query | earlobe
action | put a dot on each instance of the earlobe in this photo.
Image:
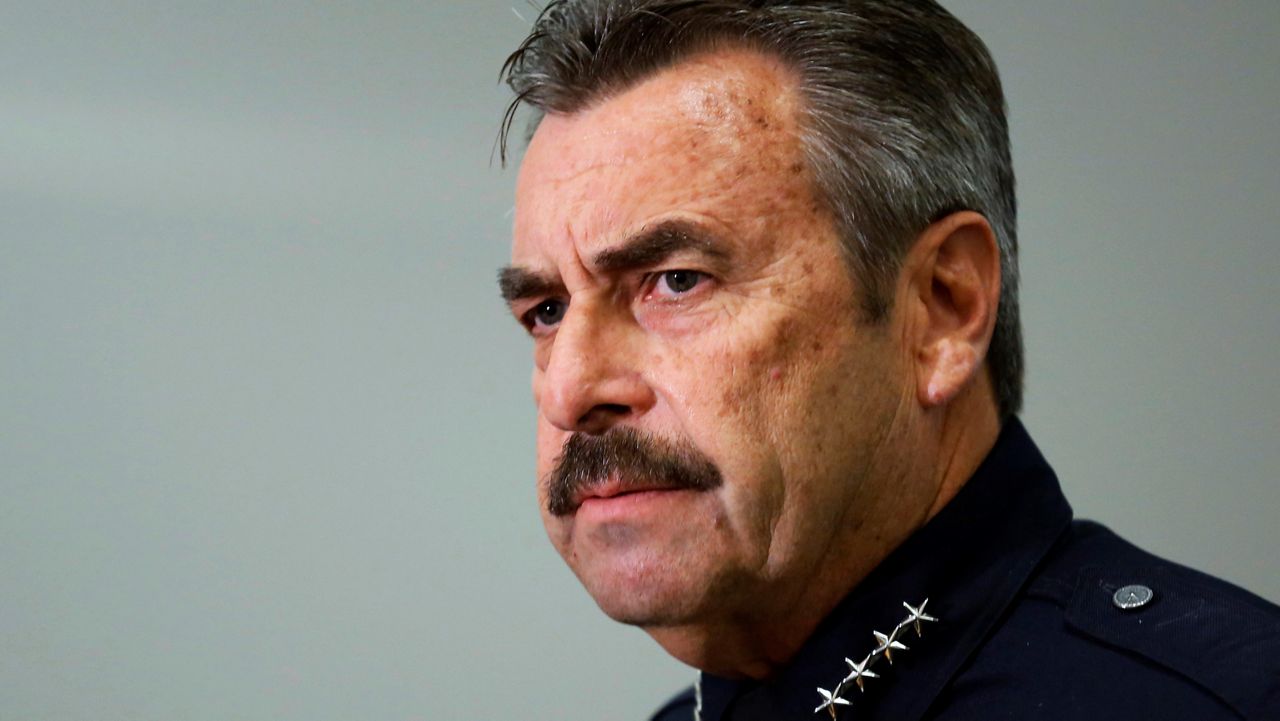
(953, 271)
(953, 366)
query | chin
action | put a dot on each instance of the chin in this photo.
(649, 606)
(649, 560)
(650, 590)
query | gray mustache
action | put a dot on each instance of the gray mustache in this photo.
(638, 460)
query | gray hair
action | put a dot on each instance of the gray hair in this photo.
(903, 120)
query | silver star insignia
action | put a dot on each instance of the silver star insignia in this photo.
(859, 671)
(830, 700)
(888, 644)
(918, 614)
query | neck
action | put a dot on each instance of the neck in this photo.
(732, 650)
(966, 430)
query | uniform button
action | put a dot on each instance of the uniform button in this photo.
(1131, 597)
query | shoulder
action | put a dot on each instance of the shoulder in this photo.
(1107, 629)
(679, 708)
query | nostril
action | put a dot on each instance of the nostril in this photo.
(602, 416)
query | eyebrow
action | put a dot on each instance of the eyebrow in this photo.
(647, 248)
(656, 243)
(518, 283)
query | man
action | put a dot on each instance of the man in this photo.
(766, 252)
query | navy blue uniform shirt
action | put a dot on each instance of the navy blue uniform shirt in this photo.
(1030, 624)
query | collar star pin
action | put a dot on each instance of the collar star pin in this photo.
(886, 644)
(859, 671)
(830, 700)
(917, 615)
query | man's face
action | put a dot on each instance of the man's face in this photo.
(683, 284)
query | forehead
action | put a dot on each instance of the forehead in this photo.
(714, 137)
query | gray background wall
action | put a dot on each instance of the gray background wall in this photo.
(265, 431)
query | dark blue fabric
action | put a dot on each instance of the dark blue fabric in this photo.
(1027, 627)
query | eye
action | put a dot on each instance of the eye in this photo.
(674, 283)
(545, 314)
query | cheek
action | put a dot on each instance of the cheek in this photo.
(759, 375)
(720, 383)
(784, 399)
(694, 376)
(725, 393)
(550, 440)
(559, 530)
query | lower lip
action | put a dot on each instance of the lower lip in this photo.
(628, 504)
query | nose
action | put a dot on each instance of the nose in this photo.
(592, 380)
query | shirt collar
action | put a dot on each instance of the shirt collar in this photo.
(969, 560)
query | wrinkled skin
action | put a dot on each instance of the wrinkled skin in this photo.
(760, 361)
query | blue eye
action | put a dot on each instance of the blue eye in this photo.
(678, 282)
(547, 313)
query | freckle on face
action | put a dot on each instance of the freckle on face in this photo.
(733, 396)
(786, 337)
(745, 388)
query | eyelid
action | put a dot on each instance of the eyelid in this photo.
(651, 279)
(525, 314)
(522, 310)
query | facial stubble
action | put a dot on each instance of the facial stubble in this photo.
(634, 459)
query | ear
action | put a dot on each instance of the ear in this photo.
(952, 287)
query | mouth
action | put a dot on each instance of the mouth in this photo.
(614, 490)
(624, 463)
(634, 508)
